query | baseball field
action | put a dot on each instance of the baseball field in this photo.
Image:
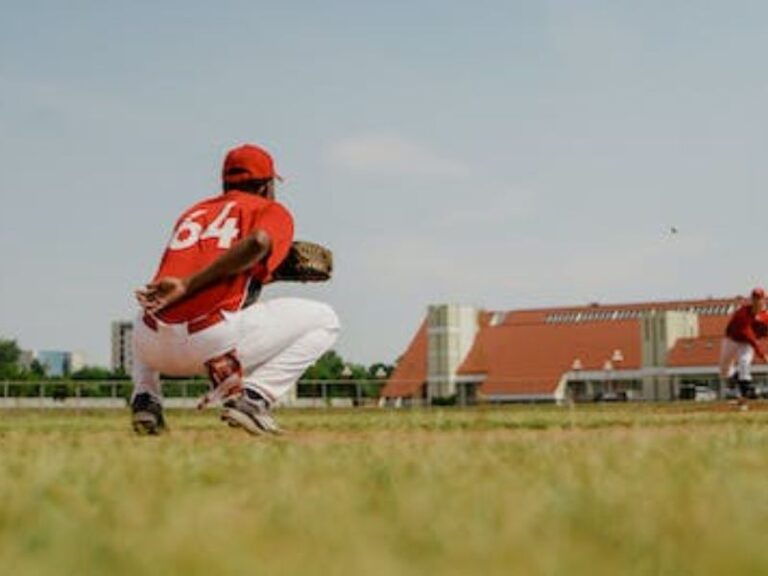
(640, 489)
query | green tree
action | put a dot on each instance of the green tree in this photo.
(92, 373)
(358, 371)
(9, 358)
(37, 369)
(380, 370)
(120, 374)
(331, 366)
(328, 367)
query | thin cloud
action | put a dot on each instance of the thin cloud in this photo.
(377, 154)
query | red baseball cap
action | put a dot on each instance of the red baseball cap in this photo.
(248, 162)
(758, 293)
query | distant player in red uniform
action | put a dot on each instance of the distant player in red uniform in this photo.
(200, 314)
(740, 345)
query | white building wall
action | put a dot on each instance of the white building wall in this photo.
(78, 361)
(659, 332)
(451, 331)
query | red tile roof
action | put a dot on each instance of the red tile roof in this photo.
(411, 371)
(531, 358)
(702, 351)
(527, 351)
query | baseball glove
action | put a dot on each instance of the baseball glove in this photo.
(305, 262)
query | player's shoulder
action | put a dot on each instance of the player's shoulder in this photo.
(257, 206)
(203, 204)
(252, 200)
(278, 208)
(265, 207)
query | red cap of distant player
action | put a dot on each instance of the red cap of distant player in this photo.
(758, 293)
(248, 162)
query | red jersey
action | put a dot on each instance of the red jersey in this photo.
(207, 230)
(760, 325)
(746, 326)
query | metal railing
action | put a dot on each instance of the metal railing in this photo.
(177, 393)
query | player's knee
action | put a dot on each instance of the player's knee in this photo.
(329, 320)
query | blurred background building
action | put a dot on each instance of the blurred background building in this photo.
(647, 350)
(122, 352)
(55, 363)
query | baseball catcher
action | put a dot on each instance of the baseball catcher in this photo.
(201, 314)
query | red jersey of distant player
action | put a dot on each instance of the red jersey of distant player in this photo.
(746, 326)
(204, 232)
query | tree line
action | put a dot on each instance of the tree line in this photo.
(330, 366)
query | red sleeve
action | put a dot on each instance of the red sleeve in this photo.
(738, 323)
(749, 336)
(277, 222)
(743, 327)
(760, 325)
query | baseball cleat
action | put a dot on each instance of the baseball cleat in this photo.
(147, 415)
(251, 412)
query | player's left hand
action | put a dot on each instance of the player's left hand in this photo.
(161, 294)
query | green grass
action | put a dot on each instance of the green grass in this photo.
(525, 490)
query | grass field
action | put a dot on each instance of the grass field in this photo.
(525, 490)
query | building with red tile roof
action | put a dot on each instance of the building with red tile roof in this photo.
(650, 350)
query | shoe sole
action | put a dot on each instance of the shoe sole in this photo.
(237, 419)
(145, 424)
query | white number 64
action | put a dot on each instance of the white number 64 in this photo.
(189, 232)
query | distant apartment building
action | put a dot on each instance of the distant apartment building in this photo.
(26, 358)
(56, 363)
(77, 361)
(647, 350)
(122, 352)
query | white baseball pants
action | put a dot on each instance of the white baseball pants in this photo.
(736, 357)
(275, 340)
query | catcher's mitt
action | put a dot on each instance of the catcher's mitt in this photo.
(305, 262)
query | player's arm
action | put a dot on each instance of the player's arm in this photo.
(749, 334)
(166, 291)
(760, 331)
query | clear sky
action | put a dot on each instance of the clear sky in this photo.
(498, 153)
